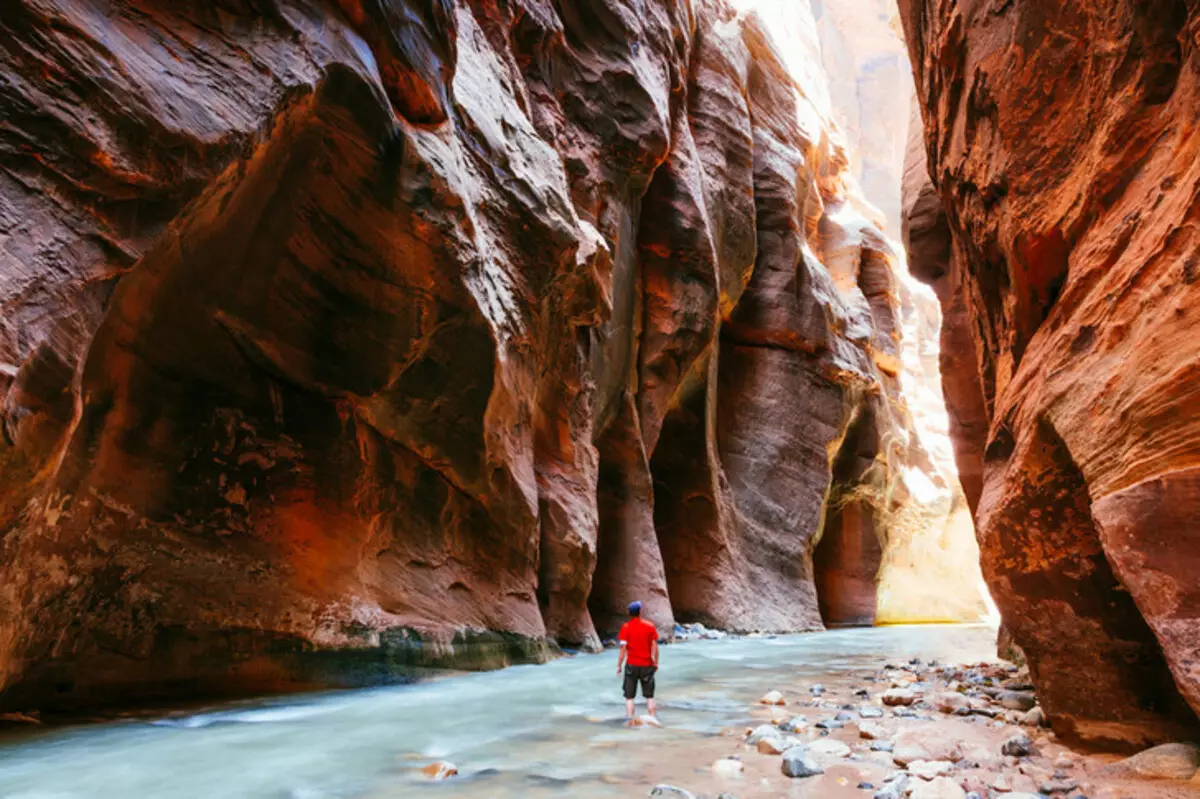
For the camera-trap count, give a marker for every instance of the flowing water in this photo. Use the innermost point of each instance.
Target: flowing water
(528, 731)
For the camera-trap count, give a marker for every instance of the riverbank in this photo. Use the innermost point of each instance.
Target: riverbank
(922, 730)
(527, 732)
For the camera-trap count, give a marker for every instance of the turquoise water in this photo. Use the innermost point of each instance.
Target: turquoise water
(528, 731)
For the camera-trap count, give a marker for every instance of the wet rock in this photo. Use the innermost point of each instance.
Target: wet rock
(772, 698)
(1175, 761)
(1018, 745)
(797, 763)
(439, 770)
(645, 721)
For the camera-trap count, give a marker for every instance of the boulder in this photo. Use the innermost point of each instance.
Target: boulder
(925, 743)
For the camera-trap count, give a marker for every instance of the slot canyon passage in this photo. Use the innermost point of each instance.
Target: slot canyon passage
(348, 342)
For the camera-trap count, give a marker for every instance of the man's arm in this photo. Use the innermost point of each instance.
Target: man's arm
(654, 653)
(621, 657)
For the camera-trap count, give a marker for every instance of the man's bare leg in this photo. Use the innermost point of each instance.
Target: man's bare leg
(651, 707)
(628, 708)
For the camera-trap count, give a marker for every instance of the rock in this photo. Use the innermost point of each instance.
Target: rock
(728, 767)
(797, 763)
(871, 731)
(1175, 761)
(772, 698)
(898, 696)
(1016, 700)
(1034, 718)
(1023, 783)
(948, 702)
(1017, 745)
(895, 789)
(830, 747)
(1002, 783)
(870, 712)
(829, 724)
(772, 745)
(1031, 365)
(817, 689)
(671, 791)
(925, 744)
(1057, 786)
(882, 746)
(439, 770)
(928, 769)
(1064, 761)
(940, 788)
(756, 734)
(645, 721)
(794, 724)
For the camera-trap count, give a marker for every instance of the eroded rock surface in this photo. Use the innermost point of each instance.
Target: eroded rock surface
(340, 339)
(1059, 231)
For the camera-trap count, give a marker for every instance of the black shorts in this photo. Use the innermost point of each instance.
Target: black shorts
(639, 674)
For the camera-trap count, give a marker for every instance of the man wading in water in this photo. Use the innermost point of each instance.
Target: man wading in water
(639, 657)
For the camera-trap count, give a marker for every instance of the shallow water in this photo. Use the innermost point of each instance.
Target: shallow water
(528, 731)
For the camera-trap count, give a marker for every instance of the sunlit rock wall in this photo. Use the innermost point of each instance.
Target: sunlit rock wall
(340, 339)
(1057, 222)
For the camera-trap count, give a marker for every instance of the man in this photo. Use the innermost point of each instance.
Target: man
(639, 657)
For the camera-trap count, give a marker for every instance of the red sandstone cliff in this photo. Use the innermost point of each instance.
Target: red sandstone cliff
(341, 338)
(1060, 232)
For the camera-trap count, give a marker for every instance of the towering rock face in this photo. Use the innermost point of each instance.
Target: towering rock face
(339, 338)
(1059, 231)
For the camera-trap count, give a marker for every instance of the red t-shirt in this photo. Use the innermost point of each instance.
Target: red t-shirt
(639, 635)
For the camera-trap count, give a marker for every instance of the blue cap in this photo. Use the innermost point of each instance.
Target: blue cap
(635, 607)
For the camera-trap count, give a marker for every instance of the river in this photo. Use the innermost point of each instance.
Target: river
(529, 731)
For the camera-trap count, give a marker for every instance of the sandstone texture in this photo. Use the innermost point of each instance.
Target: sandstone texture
(343, 339)
(1052, 205)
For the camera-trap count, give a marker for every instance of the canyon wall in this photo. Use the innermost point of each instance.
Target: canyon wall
(343, 339)
(1053, 206)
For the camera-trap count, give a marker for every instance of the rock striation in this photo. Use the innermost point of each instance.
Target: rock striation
(343, 339)
(1056, 220)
